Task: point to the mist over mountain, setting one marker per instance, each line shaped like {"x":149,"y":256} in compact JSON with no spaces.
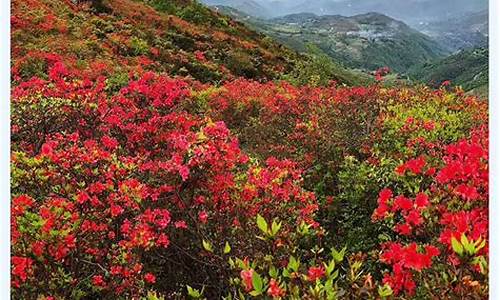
{"x":461,"y":32}
{"x":410,"y":11}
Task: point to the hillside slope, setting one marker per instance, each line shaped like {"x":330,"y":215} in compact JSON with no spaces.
{"x":132,"y":180}
{"x":467,"y":68}
{"x":180,"y":37}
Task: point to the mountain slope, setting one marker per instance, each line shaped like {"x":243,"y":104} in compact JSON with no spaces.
{"x":467,"y":68}
{"x":367,"y":41}
{"x":180,"y":37}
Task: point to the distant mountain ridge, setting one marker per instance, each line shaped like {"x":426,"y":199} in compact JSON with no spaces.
{"x":410,"y":11}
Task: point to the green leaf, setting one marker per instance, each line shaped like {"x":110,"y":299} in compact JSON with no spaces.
{"x":384,"y":291}
{"x":275,"y":227}
{"x":457,"y":247}
{"x":257,"y":282}
{"x":338,"y":256}
{"x":480,"y":244}
{"x":303,"y":228}
{"x":273,"y":272}
{"x":240,"y":263}
{"x":193,"y":292}
{"x":293,"y":264}
{"x":254,"y":293}
{"x":470,"y":248}
{"x":227,"y":248}
{"x":207,"y":246}
{"x":262,"y":224}
{"x":330,"y":267}
{"x":286,"y":273}
{"x":464,"y":240}
{"x":335,"y":274}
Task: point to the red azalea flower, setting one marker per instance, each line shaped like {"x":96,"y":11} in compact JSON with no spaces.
{"x":402,"y":203}
{"x":401,"y":169}
{"x":109,"y":142}
{"x":22,"y":267}
{"x":416,"y":165}
{"x":150,"y":278}
{"x":421,"y":200}
{"x":432,"y":250}
{"x":163,"y":240}
{"x":97,"y":280}
{"x":274,"y":289}
{"x":414,"y":218}
{"x":180,"y":224}
{"x":384,"y":195}
{"x":403,"y":229}
{"x":246,"y":276}
{"x":203,"y":217}
{"x":315,"y":273}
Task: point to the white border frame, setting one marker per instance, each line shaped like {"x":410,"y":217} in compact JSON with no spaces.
{"x":5,"y":149}
{"x":494,"y":161}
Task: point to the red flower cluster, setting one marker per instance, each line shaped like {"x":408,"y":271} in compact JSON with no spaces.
{"x":275,"y":290}
{"x":109,"y":187}
{"x":404,"y":259}
{"x":315,"y":273}
{"x":461,"y":179}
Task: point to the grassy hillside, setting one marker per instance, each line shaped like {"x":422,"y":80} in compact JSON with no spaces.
{"x":467,"y":68}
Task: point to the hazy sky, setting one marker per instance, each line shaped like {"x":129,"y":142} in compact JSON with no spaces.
{"x":410,"y":11}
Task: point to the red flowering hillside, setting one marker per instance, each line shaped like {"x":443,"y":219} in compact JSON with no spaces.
{"x":116,"y":36}
{"x":132,"y":182}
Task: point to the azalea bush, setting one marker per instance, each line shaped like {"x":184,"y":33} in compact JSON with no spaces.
{"x":112,"y":189}
{"x":144,"y":167}
{"x":132,"y":189}
{"x":443,"y":224}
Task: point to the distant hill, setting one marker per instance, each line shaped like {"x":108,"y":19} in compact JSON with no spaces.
{"x":467,"y":68}
{"x":368,"y":41}
{"x":460,"y":32}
